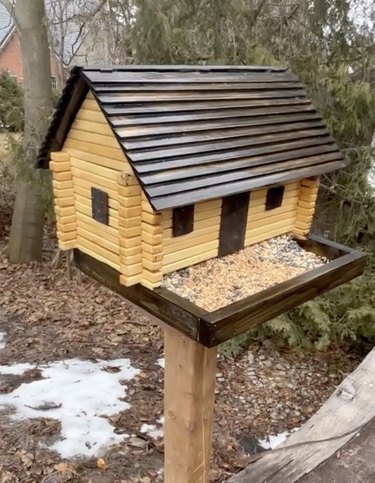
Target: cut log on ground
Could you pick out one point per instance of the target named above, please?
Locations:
(350, 408)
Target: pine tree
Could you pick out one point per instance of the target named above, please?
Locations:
(323, 42)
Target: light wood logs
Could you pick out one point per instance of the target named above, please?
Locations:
(306, 206)
(66, 221)
(189, 394)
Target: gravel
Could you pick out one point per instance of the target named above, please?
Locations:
(221, 281)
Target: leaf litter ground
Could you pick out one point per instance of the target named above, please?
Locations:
(48, 319)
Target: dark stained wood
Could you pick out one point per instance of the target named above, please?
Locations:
(161, 97)
(223, 181)
(161, 118)
(222, 145)
(180, 199)
(323, 247)
(233, 223)
(183, 220)
(259, 308)
(213, 328)
(246, 167)
(99, 205)
(194, 69)
(274, 198)
(193, 87)
(178, 107)
(153, 130)
(162, 304)
(234, 76)
(167, 141)
(63, 117)
(216, 164)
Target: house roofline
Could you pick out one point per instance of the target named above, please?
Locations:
(7, 37)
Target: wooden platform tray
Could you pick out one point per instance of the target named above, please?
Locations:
(213, 328)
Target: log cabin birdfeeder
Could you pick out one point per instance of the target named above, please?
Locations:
(158, 168)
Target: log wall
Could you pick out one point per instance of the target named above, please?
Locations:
(96, 160)
(306, 206)
(263, 224)
(66, 220)
(152, 245)
(129, 229)
(199, 245)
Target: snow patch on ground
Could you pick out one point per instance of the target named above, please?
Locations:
(153, 430)
(2, 341)
(16, 369)
(161, 362)
(77, 393)
(271, 442)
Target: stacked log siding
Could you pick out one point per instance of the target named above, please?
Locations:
(66, 220)
(129, 196)
(306, 206)
(263, 224)
(199, 245)
(96, 161)
(152, 245)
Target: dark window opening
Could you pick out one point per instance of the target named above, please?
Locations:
(99, 205)
(275, 197)
(183, 220)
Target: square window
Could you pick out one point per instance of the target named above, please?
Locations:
(274, 197)
(183, 220)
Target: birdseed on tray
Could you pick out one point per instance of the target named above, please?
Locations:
(218, 282)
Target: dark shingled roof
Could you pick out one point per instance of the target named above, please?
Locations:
(193, 133)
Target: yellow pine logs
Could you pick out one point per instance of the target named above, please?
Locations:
(129, 229)
(152, 247)
(66, 222)
(306, 206)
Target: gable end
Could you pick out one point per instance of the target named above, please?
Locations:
(73, 94)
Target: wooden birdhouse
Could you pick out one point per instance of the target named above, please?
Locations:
(159, 168)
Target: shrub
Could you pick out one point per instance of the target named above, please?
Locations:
(11, 104)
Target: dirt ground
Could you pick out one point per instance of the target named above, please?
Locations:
(46, 317)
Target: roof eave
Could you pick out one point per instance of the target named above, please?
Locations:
(7, 37)
(73, 95)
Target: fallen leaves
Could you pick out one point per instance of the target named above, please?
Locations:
(47, 318)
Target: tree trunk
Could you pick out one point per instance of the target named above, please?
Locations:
(26, 233)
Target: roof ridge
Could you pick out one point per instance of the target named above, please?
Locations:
(184, 68)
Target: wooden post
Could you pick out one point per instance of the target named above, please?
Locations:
(189, 394)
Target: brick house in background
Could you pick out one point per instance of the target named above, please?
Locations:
(11, 55)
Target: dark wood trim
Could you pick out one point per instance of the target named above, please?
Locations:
(69, 104)
(161, 303)
(325, 248)
(183, 220)
(233, 223)
(268, 304)
(213, 328)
